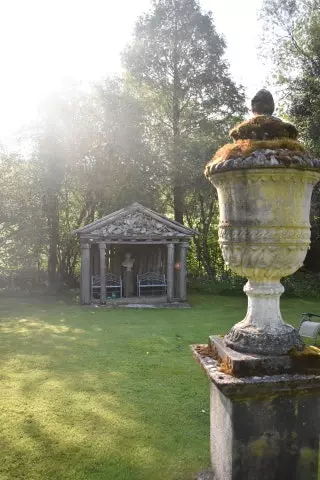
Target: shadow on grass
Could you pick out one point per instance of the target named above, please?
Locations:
(107, 394)
(100, 394)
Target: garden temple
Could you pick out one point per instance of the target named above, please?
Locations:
(134, 255)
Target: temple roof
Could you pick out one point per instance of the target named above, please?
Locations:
(135, 222)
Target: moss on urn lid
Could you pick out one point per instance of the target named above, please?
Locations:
(262, 141)
(263, 126)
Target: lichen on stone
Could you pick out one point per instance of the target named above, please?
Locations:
(308, 351)
(205, 350)
(244, 148)
(208, 351)
(259, 447)
(306, 360)
(265, 158)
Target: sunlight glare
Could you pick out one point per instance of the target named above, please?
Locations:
(45, 42)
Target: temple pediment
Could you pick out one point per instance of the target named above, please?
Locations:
(134, 222)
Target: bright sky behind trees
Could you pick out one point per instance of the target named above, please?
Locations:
(43, 42)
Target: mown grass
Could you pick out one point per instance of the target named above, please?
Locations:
(92, 394)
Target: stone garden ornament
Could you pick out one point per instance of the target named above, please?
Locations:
(264, 182)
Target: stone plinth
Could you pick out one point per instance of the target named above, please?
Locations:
(263, 427)
(243, 364)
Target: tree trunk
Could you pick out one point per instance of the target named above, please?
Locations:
(178, 194)
(178, 203)
(53, 221)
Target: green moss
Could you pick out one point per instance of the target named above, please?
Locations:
(294, 435)
(308, 457)
(259, 447)
(264, 127)
(244, 148)
(306, 360)
(309, 351)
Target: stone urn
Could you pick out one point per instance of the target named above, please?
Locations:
(264, 182)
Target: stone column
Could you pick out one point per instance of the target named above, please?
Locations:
(183, 271)
(102, 250)
(170, 272)
(85, 281)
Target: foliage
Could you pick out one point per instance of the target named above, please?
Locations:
(292, 38)
(293, 31)
(300, 285)
(142, 138)
(303, 285)
(224, 284)
(176, 67)
(90, 156)
(21, 218)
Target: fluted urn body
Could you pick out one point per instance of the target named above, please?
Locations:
(264, 233)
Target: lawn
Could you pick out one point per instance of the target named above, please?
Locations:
(92, 394)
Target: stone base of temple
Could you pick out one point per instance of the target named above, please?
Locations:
(140, 302)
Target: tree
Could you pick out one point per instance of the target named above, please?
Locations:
(176, 67)
(21, 221)
(90, 157)
(126, 168)
(293, 38)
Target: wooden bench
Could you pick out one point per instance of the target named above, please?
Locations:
(113, 283)
(151, 280)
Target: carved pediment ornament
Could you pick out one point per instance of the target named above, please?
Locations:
(135, 224)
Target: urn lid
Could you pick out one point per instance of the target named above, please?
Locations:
(263, 125)
(262, 141)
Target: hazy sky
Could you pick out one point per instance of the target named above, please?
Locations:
(43, 41)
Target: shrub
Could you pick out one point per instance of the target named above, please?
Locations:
(298, 285)
(302, 285)
(225, 284)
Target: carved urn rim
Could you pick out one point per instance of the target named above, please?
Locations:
(266, 159)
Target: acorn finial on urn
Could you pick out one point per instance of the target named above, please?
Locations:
(262, 103)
